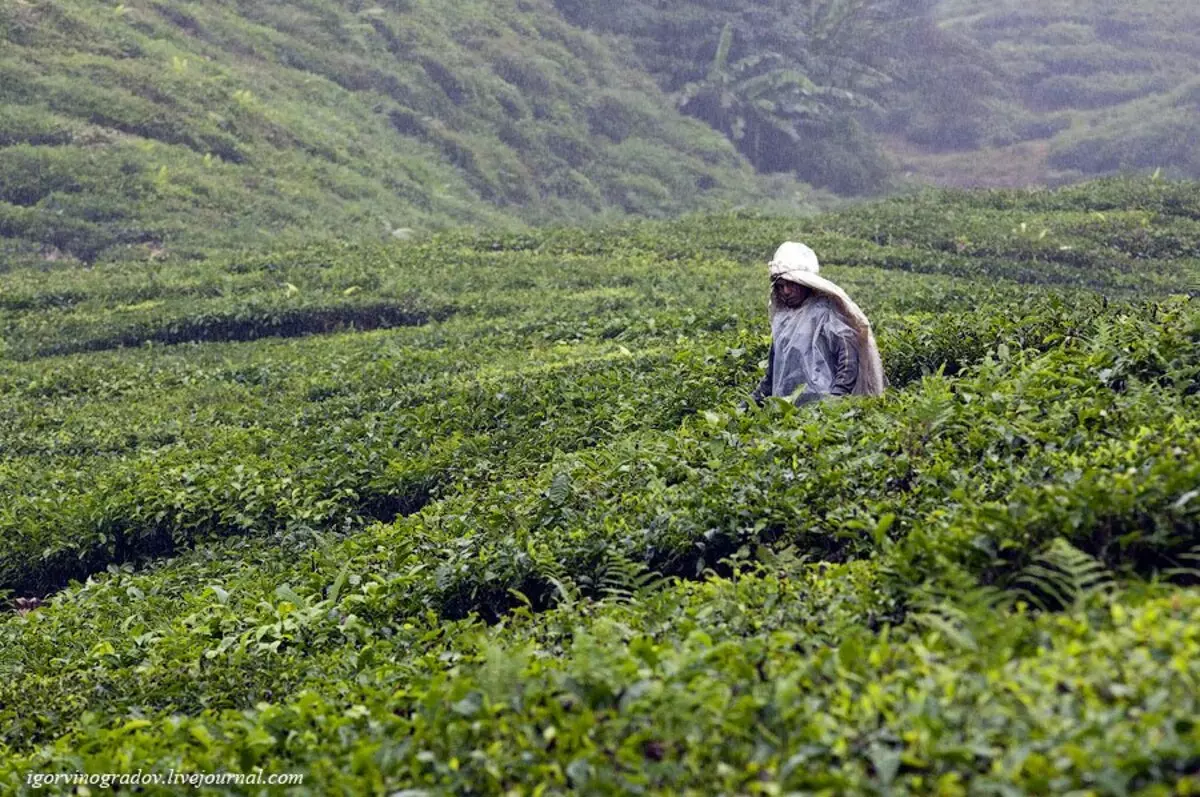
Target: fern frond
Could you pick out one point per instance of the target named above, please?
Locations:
(627, 580)
(1062, 576)
(553, 572)
(1185, 571)
(567, 590)
(962, 616)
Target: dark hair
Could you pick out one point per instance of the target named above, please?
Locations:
(777, 281)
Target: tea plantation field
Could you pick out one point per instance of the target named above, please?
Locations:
(482, 514)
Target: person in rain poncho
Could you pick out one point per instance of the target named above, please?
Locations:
(821, 342)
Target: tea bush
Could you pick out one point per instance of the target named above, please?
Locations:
(252, 517)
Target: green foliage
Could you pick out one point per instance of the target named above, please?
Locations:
(481, 512)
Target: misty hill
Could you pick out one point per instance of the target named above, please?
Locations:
(1061, 90)
(144, 127)
(850, 94)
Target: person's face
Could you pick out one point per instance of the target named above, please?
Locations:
(791, 294)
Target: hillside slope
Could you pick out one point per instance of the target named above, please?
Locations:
(1078, 88)
(171, 125)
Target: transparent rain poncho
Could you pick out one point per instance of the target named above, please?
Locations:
(814, 347)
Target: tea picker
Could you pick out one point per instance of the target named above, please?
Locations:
(821, 341)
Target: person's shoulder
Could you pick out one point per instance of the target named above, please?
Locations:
(824, 304)
(833, 314)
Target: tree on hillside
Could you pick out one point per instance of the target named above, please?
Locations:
(788, 82)
(795, 83)
(785, 80)
(763, 104)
